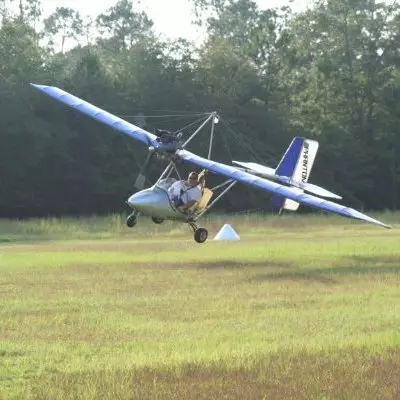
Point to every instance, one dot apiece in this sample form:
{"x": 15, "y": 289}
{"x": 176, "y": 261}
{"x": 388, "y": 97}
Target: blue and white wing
{"x": 98, "y": 114}
{"x": 275, "y": 188}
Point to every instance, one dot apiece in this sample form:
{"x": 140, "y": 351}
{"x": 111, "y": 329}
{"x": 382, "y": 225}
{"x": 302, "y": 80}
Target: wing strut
{"x": 230, "y": 184}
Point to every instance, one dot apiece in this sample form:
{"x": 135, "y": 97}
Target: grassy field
{"x": 300, "y": 308}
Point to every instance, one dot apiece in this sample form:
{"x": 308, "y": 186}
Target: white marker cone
{"x": 227, "y": 233}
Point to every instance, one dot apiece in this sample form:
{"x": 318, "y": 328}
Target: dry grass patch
{"x": 351, "y": 374}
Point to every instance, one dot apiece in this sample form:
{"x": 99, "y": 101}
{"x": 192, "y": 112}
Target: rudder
{"x": 296, "y": 164}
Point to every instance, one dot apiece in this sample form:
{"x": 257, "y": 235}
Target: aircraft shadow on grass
{"x": 232, "y": 264}
{"x": 355, "y": 265}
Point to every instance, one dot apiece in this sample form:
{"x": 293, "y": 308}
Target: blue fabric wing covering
{"x": 100, "y": 115}
{"x": 269, "y": 186}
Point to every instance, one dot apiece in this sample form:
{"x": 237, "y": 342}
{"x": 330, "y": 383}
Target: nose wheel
{"x": 200, "y": 234}
{"x": 157, "y": 220}
{"x": 131, "y": 221}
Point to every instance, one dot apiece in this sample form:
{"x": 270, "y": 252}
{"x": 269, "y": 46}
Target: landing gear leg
{"x": 200, "y": 234}
{"x": 131, "y": 221}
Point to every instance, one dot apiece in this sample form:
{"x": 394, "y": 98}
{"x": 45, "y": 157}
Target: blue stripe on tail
{"x": 287, "y": 166}
{"x": 288, "y": 163}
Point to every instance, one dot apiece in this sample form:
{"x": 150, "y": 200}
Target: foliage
{"x": 329, "y": 73}
{"x": 124, "y": 24}
{"x": 66, "y": 22}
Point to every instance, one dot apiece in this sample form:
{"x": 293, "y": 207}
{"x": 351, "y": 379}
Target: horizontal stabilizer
{"x": 267, "y": 172}
{"x": 319, "y": 191}
{"x": 256, "y": 169}
{"x": 308, "y": 187}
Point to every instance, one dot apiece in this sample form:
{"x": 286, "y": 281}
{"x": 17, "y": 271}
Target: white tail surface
{"x": 305, "y": 161}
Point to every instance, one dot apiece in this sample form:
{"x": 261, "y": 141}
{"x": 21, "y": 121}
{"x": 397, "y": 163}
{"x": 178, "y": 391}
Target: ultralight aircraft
{"x": 287, "y": 183}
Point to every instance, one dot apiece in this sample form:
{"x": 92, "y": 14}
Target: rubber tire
{"x": 131, "y": 221}
{"x": 157, "y": 220}
{"x": 201, "y": 234}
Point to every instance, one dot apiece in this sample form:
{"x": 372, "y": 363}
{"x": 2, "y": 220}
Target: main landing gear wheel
{"x": 200, "y": 235}
{"x": 157, "y": 220}
{"x": 131, "y": 220}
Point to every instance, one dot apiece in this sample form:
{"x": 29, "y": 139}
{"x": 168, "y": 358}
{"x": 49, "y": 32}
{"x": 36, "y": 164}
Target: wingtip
{"x": 382, "y": 224}
{"x": 377, "y": 222}
{"x": 37, "y": 86}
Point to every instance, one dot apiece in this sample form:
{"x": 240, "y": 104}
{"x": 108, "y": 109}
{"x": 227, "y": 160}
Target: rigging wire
{"x": 227, "y": 146}
{"x": 155, "y": 110}
{"x": 173, "y": 120}
{"x": 162, "y": 116}
{"x": 191, "y": 124}
{"x": 153, "y": 124}
{"x": 242, "y": 139}
{"x": 246, "y": 143}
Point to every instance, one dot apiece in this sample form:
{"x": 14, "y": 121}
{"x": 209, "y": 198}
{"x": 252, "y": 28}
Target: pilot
{"x": 185, "y": 194}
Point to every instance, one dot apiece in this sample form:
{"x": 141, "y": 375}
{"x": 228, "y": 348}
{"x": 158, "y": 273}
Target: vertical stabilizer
{"x": 296, "y": 164}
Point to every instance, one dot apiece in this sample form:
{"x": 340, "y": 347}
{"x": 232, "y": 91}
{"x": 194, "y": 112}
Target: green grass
{"x": 300, "y": 308}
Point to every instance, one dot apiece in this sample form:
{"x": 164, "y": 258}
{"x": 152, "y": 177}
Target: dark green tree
{"x": 64, "y": 22}
{"x": 124, "y": 25}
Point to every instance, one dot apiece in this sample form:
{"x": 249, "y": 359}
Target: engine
{"x": 168, "y": 141}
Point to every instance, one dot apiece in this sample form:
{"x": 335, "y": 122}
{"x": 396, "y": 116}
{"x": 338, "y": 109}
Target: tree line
{"x": 330, "y": 73}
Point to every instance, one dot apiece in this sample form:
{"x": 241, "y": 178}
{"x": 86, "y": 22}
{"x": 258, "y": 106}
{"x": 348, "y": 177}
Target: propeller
{"x": 141, "y": 176}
